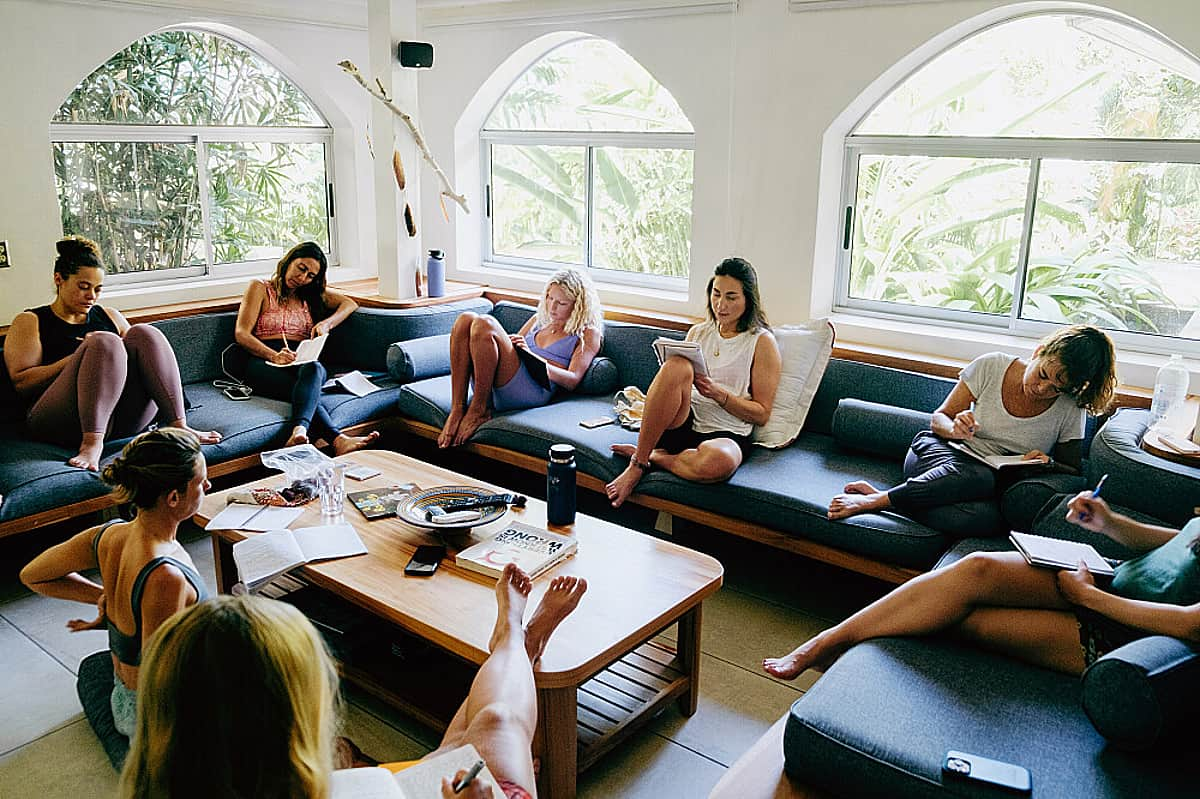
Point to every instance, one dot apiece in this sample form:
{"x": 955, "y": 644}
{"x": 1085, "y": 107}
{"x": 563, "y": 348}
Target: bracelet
{"x": 726, "y": 401}
{"x": 645, "y": 467}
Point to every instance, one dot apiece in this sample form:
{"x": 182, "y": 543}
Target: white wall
{"x": 790, "y": 75}
{"x": 50, "y": 45}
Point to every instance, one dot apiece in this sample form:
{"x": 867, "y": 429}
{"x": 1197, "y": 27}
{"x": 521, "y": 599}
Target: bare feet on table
{"x": 205, "y": 436}
{"x": 512, "y": 594}
{"x": 561, "y": 598}
{"x": 90, "y": 450}
{"x": 344, "y": 444}
{"x": 450, "y": 428}
{"x": 469, "y": 424}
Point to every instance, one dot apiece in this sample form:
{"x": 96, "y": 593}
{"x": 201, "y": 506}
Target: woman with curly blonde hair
{"x": 566, "y": 332}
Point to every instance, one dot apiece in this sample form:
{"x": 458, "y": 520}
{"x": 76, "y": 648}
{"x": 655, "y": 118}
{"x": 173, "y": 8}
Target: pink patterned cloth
{"x": 276, "y": 321}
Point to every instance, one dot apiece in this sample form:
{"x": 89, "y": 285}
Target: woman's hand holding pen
{"x": 964, "y": 424}
{"x": 282, "y": 357}
{"x": 1089, "y": 512}
{"x": 475, "y": 789}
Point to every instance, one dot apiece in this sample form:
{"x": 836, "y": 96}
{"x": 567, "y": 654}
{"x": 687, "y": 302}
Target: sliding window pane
{"x": 265, "y": 197}
{"x": 938, "y": 232}
{"x": 1117, "y": 244}
{"x": 538, "y": 202}
{"x": 138, "y": 201}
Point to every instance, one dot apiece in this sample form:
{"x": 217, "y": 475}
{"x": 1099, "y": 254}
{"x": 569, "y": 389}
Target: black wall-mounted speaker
{"x": 415, "y": 54}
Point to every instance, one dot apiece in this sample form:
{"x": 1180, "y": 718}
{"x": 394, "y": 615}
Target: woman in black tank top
{"x": 87, "y": 375}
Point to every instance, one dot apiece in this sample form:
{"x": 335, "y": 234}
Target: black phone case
{"x": 418, "y": 566}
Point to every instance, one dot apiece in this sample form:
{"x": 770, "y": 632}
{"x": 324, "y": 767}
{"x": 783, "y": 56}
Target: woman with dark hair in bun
{"x": 145, "y": 574}
{"x": 87, "y": 374}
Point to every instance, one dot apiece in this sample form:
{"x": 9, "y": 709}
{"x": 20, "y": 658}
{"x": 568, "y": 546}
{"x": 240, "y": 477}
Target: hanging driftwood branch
{"x": 381, "y": 96}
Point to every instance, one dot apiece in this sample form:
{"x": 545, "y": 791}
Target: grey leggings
{"x": 938, "y": 474}
{"x": 111, "y": 385}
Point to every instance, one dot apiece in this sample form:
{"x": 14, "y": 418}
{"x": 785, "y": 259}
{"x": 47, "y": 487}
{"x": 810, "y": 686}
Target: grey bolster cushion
{"x": 601, "y": 377}
{"x": 1145, "y": 694}
{"x": 879, "y": 429}
{"x": 419, "y": 358}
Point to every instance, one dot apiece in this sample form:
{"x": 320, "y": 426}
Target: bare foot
{"x": 812, "y": 654}
{"x": 299, "y": 436}
{"x": 446, "y": 438}
{"x": 861, "y": 487}
{"x": 845, "y": 505}
{"x": 469, "y": 424}
{"x": 90, "y": 450}
{"x": 205, "y": 436}
{"x": 512, "y": 594}
{"x": 619, "y": 489}
{"x": 344, "y": 443}
{"x": 561, "y": 598}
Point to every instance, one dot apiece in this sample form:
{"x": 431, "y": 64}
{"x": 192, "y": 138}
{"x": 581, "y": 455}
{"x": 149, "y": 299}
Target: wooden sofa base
{"x": 758, "y": 774}
{"x": 754, "y": 532}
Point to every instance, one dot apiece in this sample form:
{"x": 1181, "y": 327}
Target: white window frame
{"x": 589, "y": 141}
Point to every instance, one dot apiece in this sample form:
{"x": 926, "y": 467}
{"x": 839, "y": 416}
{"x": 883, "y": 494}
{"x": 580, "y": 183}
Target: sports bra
{"x": 276, "y": 320}
{"x": 559, "y": 353}
{"x": 60, "y": 338}
{"x": 128, "y": 648}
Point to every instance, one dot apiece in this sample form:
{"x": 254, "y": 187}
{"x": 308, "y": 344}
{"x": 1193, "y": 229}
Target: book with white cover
{"x": 259, "y": 518}
{"x": 420, "y": 781}
{"x": 666, "y": 347}
{"x": 533, "y": 549}
{"x": 1055, "y": 553}
{"x": 307, "y": 351}
{"x": 355, "y": 382}
{"x": 1000, "y": 461}
{"x": 261, "y": 558}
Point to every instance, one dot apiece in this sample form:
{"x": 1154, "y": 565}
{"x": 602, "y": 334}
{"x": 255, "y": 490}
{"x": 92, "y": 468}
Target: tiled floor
{"x": 47, "y": 749}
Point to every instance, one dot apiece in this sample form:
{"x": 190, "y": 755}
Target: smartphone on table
{"x": 425, "y": 560}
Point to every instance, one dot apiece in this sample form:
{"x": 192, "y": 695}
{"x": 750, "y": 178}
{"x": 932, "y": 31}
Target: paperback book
{"x": 1000, "y": 461}
{"x": 666, "y": 347}
{"x": 1054, "y": 553}
{"x": 536, "y": 366}
{"x": 308, "y": 351}
{"x": 261, "y": 558}
{"x": 378, "y": 503}
{"x": 423, "y": 780}
{"x": 533, "y": 549}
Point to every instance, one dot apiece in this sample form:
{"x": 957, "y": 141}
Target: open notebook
{"x": 420, "y": 781}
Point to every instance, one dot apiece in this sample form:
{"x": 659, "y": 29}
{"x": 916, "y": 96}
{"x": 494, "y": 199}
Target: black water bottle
{"x": 560, "y": 485}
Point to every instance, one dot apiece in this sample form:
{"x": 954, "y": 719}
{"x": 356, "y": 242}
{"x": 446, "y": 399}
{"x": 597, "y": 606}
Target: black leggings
{"x": 302, "y": 386}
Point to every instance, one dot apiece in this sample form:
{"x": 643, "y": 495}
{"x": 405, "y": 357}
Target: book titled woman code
{"x": 533, "y": 549}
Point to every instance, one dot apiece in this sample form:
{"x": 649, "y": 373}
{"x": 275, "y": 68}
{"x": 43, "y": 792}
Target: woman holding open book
{"x": 275, "y": 316}
{"x": 146, "y": 575}
{"x": 698, "y": 426}
{"x": 1001, "y": 405}
{"x": 551, "y": 351}
{"x": 1056, "y": 619}
{"x": 270, "y": 733}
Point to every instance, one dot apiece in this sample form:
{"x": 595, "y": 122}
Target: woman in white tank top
{"x": 698, "y": 427}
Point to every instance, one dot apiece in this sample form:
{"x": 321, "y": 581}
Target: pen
{"x": 285, "y": 344}
{"x": 971, "y": 410}
{"x": 1095, "y": 493}
{"x": 470, "y": 775}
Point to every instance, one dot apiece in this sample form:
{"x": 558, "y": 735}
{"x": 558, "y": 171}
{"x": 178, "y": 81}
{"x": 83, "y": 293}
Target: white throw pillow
{"x": 805, "y": 350}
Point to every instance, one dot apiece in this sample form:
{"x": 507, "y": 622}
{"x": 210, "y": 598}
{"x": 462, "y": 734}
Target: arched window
{"x": 186, "y": 153}
{"x": 1043, "y": 171}
{"x": 588, "y": 160}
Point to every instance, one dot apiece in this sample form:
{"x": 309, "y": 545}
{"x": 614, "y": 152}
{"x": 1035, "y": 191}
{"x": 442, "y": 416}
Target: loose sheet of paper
{"x": 238, "y": 516}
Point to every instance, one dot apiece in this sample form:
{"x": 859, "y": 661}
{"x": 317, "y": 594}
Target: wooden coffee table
{"x": 601, "y": 675}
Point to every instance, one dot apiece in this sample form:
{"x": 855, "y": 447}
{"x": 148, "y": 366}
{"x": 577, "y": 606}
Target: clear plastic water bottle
{"x": 1170, "y": 391}
{"x": 435, "y": 273}
{"x": 560, "y": 485}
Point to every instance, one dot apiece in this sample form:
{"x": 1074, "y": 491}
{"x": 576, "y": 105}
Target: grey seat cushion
{"x": 94, "y": 686}
{"x": 880, "y": 721}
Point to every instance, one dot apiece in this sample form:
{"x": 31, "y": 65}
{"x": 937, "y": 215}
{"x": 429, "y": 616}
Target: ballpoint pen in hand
{"x": 1095, "y": 495}
{"x": 471, "y": 774}
{"x": 971, "y": 410}
{"x": 284, "y": 336}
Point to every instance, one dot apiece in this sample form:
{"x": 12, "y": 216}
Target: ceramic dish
{"x": 412, "y": 508}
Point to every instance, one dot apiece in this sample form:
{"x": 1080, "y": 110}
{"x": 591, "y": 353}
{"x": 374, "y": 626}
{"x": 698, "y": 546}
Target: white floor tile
{"x": 650, "y": 767}
{"x": 45, "y": 621}
{"x": 37, "y": 693}
{"x": 66, "y": 764}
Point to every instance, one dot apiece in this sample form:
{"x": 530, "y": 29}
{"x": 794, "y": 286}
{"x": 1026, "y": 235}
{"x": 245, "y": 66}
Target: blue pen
{"x": 1095, "y": 494}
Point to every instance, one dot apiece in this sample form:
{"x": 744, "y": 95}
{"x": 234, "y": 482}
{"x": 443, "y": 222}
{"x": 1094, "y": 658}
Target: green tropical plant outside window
{"x": 1040, "y": 171}
{"x": 589, "y": 162}
{"x": 187, "y": 151}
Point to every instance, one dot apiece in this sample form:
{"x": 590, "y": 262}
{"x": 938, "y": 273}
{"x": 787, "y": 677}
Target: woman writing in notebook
{"x": 565, "y": 333}
{"x": 1057, "y": 619}
{"x": 87, "y": 374}
{"x": 145, "y": 573}
{"x": 275, "y": 316}
{"x": 270, "y": 734}
{"x": 698, "y": 427}
{"x": 1000, "y": 405}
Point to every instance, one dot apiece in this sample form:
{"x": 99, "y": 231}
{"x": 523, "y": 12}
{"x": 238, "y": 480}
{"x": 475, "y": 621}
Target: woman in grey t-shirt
{"x": 1001, "y": 406}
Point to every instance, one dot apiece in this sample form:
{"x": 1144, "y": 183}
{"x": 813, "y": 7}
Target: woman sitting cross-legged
{"x": 87, "y": 374}
{"x": 146, "y": 575}
{"x": 566, "y": 332}
{"x": 1060, "y": 620}
{"x": 276, "y": 315}
{"x": 1000, "y": 405}
{"x": 270, "y": 733}
{"x": 699, "y": 427}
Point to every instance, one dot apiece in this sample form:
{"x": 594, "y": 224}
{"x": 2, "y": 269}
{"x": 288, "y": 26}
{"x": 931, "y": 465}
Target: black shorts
{"x": 677, "y": 439}
{"x": 1099, "y": 635}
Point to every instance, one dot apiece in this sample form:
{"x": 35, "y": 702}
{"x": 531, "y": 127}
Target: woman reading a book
{"x": 270, "y": 734}
{"x": 1001, "y": 405}
{"x": 86, "y": 373}
{"x": 1056, "y": 619}
{"x": 551, "y": 351}
{"x": 146, "y": 575}
{"x": 698, "y": 426}
{"x": 276, "y": 315}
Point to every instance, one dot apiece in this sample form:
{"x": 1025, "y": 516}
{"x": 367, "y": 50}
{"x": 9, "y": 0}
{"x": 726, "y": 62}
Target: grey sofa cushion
{"x": 420, "y": 358}
{"x": 880, "y": 721}
{"x": 1146, "y": 694}
{"x": 361, "y": 341}
{"x": 879, "y": 384}
{"x": 879, "y": 429}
